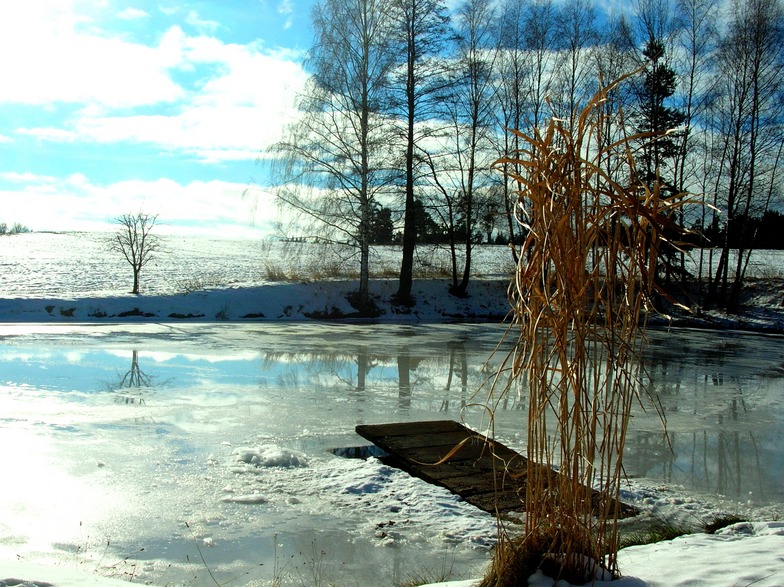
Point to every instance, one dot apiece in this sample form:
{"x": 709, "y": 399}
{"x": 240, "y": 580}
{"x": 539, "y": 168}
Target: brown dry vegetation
{"x": 581, "y": 293}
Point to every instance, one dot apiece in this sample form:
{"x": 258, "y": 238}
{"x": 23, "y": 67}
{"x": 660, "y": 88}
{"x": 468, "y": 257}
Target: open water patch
{"x": 360, "y": 452}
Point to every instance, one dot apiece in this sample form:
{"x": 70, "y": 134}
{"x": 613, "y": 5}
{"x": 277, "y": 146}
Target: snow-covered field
{"x": 81, "y": 264}
{"x": 216, "y": 468}
{"x": 74, "y": 277}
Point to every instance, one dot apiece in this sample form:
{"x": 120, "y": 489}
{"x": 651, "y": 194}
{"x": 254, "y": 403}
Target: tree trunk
{"x": 403, "y": 296}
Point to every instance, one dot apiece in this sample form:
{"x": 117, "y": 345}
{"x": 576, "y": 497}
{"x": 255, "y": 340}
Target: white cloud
{"x": 48, "y": 60}
{"x": 75, "y": 203}
{"x": 199, "y": 23}
{"x": 132, "y": 14}
{"x": 286, "y": 8}
{"x": 232, "y": 101}
{"x": 239, "y": 110}
{"x": 49, "y": 134}
{"x": 25, "y": 177}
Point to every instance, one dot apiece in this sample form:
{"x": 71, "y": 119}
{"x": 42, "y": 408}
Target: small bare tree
{"x": 134, "y": 239}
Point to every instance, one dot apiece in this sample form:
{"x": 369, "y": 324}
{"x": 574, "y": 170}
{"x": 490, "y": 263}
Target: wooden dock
{"x": 483, "y": 472}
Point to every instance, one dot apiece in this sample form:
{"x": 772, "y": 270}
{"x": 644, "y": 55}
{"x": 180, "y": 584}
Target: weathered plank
{"x": 482, "y": 471}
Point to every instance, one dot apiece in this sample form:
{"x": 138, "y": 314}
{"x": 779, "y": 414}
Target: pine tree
{"x": 655, "y": 116}
{"x": 660, "y": 150}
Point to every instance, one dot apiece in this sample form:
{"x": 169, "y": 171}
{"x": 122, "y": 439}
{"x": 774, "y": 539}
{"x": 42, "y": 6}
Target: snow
{"x": 254, "y": 452}
{"x": 270, "y": 456}
{"x": 741, "y": 554}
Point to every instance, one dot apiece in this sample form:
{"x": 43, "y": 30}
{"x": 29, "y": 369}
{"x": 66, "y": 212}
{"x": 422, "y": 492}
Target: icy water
{"x": 169, "y": 453}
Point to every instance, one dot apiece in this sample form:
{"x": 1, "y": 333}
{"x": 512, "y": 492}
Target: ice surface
{"x": 185, "y": 474}
{"x": 223, "y": 449}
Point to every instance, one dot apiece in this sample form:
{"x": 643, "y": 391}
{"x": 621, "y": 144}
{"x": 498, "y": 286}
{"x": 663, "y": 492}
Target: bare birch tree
{"x": 750, "y": 113}
{"x": 696, "y": 40}
{"x": 334, "y": 162}
{"x": 420, "y": 31}
{"x": 526, "y": 55}
{"x": 135, "y": 241}
{"x": 577, "y": 35}
{"x": 470, "y": 111}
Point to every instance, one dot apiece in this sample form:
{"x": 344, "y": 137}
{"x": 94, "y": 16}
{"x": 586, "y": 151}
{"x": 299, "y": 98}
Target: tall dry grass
{"x": 581, "y": 293}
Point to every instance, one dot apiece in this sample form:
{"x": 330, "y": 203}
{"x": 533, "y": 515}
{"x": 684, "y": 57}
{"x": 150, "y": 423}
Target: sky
{"x": 110, "y": 107}
{"x": 113, "y": 107}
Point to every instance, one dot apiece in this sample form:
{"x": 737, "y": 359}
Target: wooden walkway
{"x": 483, "y": 472}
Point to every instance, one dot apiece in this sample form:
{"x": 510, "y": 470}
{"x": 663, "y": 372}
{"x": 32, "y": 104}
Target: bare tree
{"x": 654, "y": 20}
{"x": 539, "y": 42}
{"x": 420, "y": 29}
{"x": 525, "y": 78}
{"x": 575, "y": 77}
{"x": 334, "y": 162}
{"x": 750, "y": 113}
{"x": 697, "y": 38}
{"x": 526, "y": 38}
{"x": 135, "y": 241}
{"x": 615, "y": 57}
{"x": 470, "y": 112}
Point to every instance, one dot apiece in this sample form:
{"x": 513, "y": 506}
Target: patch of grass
{"x": 135, "y": 312}
{"x": 659, "y": 531}
{"x": 332, "y": 271}
{"x": 273, "y": 272}
{"x": 439, "y": 573}
{"x": 224, "y": 313}
{"x": 516, "y": 560}
{"x": 332, "y": 313}
{"x": 194, "y": 284}
{"x": 721, "y": 521}
{"x": 254, "y": 316}
{"x": 424, "y": 269}
{"x": 180, "y": 316}
{"x": 386, "y": 271}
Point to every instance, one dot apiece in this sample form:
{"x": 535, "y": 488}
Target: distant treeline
{"x": 16, "y": 228}
{"x": 765, "y": 232}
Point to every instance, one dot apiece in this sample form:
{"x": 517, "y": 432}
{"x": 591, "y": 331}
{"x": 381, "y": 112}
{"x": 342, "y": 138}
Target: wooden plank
{"x": 474, "y": 469}
{"x": 483, "y": 472}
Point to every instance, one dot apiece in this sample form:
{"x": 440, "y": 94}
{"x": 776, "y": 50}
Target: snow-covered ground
{"x": 216, "y": 465}
{"x": 74, "y": 277}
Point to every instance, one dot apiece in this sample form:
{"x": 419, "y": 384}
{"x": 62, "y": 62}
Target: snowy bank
{"x": 272, "y": 302}
{"x": 487, "y": 301}
{"x": 740, "y": 555}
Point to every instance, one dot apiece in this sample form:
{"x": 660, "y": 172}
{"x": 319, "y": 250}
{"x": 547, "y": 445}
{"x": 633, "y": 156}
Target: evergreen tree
{"x": 660, "y": 148}
{"x": 381, "y": 226}
{"x": 656, "y": 117}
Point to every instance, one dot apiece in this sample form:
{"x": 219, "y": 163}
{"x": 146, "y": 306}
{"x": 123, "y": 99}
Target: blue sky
{"x": 109, "y": 107}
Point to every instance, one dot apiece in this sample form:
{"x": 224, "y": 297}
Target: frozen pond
{"x": 166, "y": 453}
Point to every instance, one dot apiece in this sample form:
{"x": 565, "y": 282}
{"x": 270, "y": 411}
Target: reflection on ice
{"x": 721, "y": 394}
{"x": 140, "y": 449}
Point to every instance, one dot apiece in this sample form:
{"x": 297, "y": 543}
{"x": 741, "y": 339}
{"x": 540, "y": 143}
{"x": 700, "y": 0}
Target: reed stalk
{"x": 581, "y": 294}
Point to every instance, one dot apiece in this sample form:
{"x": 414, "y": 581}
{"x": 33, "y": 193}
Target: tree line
{"x": 408, "y": 105}
{"x": 16, "y": 228}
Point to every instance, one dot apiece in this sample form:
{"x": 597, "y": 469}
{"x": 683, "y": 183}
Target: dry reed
{"x": 581, "y": 294}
